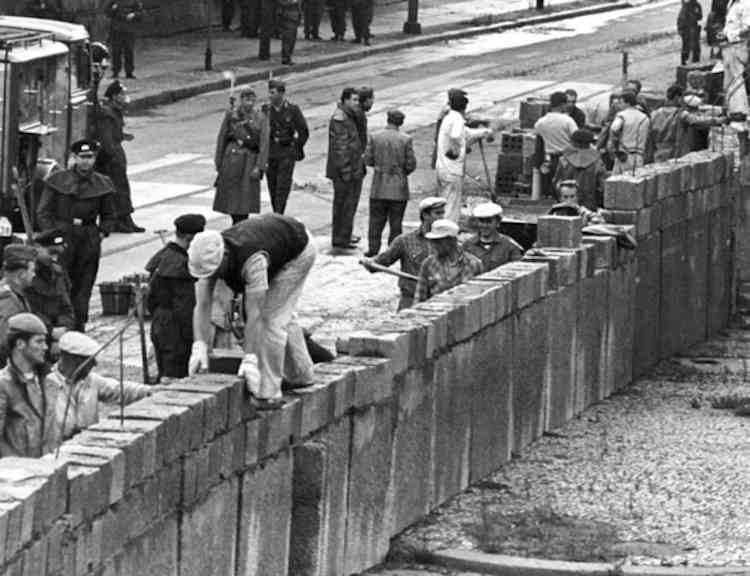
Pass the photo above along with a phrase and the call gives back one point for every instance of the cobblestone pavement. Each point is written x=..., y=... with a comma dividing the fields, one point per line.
x=656, y=461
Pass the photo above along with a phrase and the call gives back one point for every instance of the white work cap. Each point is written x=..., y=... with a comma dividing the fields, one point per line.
x=692, y=100
x=442, y=229
x=431, y=202
x=205, y=253
x=78, y=344
x=487, y=210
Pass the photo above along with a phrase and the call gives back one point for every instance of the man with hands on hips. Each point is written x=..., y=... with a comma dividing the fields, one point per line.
x=267, y=259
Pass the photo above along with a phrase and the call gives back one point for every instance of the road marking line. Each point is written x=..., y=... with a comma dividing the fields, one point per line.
x=170, y=159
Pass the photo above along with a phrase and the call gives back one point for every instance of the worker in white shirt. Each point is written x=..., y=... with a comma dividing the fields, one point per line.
x=735, y=56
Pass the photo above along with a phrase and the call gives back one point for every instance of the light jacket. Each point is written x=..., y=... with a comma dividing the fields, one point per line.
x=26, y=415
x=391, y=154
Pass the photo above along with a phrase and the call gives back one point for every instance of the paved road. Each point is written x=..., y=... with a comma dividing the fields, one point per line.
x=171, y=160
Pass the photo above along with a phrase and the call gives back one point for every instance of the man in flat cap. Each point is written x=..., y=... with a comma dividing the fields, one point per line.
x=288, y=135
x=555, y=129
x=449, y=265
x=583, y=164
x=171, y=299
x=111, y=160
x=49, y=293
x=411, y=249
x=267, y=259
x=75, y=402
x=491, y=247
x=19, y=267
x=80, y=203
x=25, y=413
x=391, y=154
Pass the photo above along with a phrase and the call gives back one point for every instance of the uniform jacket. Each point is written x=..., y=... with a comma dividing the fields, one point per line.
x=344, y=147
x=83, y=409
x=68, y=195
x=690, y=16
x=49, y=295
x=500, y=250
x=171, y=297
x=11, y=303
x=26, y=415
x=391, y=154
x=111, y=160
x=287, y=130
x=118, y=11
x=241, y=146
x=585, y=166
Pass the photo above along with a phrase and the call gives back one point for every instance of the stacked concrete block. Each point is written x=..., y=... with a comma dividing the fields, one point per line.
x=591, y=355
x=559, y=231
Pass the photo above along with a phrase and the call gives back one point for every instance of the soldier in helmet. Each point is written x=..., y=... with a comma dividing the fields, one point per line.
x=80, y=203
x=171, y=299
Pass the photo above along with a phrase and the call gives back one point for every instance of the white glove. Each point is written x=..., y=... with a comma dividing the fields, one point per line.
x=198, y=358
x=250, y=372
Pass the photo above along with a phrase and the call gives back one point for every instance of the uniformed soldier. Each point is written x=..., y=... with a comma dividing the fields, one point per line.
x=111, y=160
x=361, y=19
x=124, y=16
x=227, y=14
x=80, y=203
x=250, y=11
x=171, y=299
x=19, y=267
x=312, y=10
x=337, y=15
x=288, y=17
x=49, y=293
x=288, y=135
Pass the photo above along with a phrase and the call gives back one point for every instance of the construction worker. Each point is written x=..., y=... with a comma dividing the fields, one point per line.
x=391, y=154
x=411, y=249
x=449, y=265
x=569, y=204
x=25, y=413
x=171, y=299
x=267, y=259
x=491, y=247
x=80, y=203
x=629, y=135
x=19, y=268
x=288, y=134
x=583, y=164
x=556, y=128
x=75, y=391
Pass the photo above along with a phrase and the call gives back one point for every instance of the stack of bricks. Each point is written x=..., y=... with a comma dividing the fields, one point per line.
x=681, y=213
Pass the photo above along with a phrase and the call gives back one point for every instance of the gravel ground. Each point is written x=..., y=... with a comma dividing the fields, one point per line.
x=656, y=462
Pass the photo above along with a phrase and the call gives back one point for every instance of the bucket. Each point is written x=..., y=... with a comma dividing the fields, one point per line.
x=117, y=298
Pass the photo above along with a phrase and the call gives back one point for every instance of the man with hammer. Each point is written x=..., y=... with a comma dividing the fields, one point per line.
x=411, y=249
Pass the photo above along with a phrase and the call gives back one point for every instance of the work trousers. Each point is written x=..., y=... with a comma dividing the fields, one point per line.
x=450, y=187
x=381, y=211
x=279, y=177
x=345, y=202
x=735, y=94
x=289, y=21
x=123, y=48
x=249, y=18
x=361, y=18
x=312, y=12
x=691, y=44
x=82, y=264
x=283, y=351
x=267, y=27
x=227, y=13
x=337, y=15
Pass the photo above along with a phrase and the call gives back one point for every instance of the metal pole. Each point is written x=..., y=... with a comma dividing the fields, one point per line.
x=412, y=25
x=207, y=64
x=624, y=67
x=122, y=383
x=140, y=311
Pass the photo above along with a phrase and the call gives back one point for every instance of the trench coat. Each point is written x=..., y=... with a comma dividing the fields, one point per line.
x=391, y=154
x=111, y=160
x=242, y=146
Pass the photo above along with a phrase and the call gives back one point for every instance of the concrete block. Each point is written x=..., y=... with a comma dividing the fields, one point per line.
x=265, y=517
x=587, y=261
x=651, y=193
x=217, y=409
x=133, y=446
x=35, y=559
x=225, y=361
x=368, y=523
x=696, y=203
x=559, y=231
x=277, y=429
x=491, y=401
x=620, y=328
x=591, y=340
x=411, y=487
x=674, y=280
x=208, y=532
x=153, y=437
x=340, y=378
x=197, y=404
x=559, y=389
x=625, y=192
x=529, y=372
x=394, y=346
x=663, y=182
x=488, y=302
x=154, y=553
x=318, y=407
x=697, y=286
x=647, y=303
x=511, y=283
x=459, y=319
x=620, y=216
x=605, y=250
x=11, y=515
x=567, y=265
x=719, y=275
x=111, y=459
x=373, y=379
x=436, y=338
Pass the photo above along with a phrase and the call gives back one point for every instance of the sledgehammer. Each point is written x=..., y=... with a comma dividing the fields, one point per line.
x=380, y=268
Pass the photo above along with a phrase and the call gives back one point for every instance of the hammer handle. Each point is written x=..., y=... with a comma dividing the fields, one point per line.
x=381, y=268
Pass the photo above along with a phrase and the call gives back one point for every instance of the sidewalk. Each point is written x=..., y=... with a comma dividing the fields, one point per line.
x=171, y=68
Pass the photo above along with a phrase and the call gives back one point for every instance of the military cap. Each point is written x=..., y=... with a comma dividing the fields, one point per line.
x=85, y=147
x=114, y=89
x=247, y=92
x=582, y=137
x=190, y=223
x=277, y=85
x=395, y=117
x=52, y=237
x=28, y=323
x=487, y=210
x=78, y=344
x=17, y=256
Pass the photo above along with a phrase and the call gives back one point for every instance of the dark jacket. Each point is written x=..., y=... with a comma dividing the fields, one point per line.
x=690, y=16
x=119, y=12
x=345, y=148
x=391, y=153
x=287, y=130
x=25, y=415
x=584, y=165
x=111, y=160
x=49, y=295
x=11, y=303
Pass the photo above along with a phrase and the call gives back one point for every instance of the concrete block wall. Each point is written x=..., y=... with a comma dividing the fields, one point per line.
x=426, y=401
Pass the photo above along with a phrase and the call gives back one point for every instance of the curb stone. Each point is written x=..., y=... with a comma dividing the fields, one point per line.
x=194, y=89
x=501, y=565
